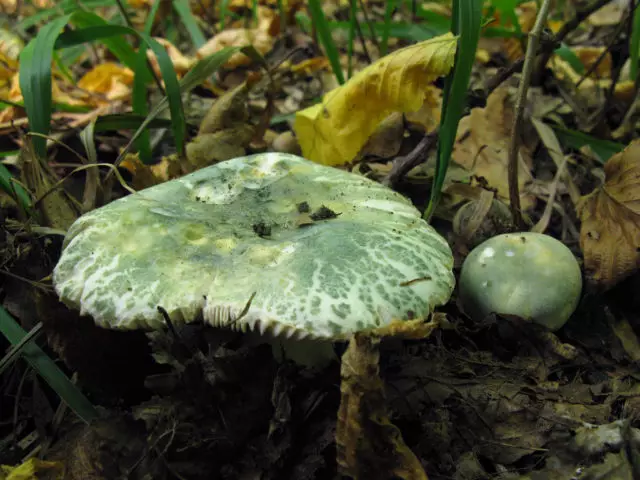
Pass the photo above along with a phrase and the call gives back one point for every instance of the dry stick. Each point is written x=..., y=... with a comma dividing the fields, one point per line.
x=527, y=69
x=566, y=29
x=402, y=165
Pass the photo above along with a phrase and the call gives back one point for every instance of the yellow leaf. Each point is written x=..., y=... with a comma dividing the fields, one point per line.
x=111, y=80
x=610, y=231
x=33, y=469
x=334, y=131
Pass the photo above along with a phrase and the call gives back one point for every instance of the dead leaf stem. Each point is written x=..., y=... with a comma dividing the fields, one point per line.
x=527, y=69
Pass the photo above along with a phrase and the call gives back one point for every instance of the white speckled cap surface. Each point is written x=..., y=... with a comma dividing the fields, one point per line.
x=325, y=252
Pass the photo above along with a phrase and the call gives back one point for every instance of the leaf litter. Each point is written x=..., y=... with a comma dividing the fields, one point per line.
x=448, y=398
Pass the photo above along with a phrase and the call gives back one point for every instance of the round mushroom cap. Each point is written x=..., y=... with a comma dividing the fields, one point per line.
x=530, y=275
x=265, y=242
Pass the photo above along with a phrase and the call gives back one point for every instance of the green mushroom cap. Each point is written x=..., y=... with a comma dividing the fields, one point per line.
x=265, y=242
x=530, y=275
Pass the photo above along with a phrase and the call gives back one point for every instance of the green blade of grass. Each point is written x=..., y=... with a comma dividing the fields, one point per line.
x=35, y=79
x=35, y=74
x=116, y=44
x=384, y=40
x=353, y=23
x=65, y=7
x=151, y=17
x=324, y=34
x=190, y=23
x=224, y=11
x=201, y=71
x=47, y=369
x=121, y=121
x=604, y=149
x=467, y=21
x=634, y=45
x=405, y=31
x=140, y=107
x=13, y=189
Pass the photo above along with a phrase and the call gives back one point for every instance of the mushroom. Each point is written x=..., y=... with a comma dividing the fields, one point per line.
x=529, y=275
x=269, y=243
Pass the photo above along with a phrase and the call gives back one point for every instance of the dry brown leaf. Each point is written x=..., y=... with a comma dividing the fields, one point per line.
x=334, y=131
x=369, y=446
x=482, y=146
x=610, y=232
x=228, y=110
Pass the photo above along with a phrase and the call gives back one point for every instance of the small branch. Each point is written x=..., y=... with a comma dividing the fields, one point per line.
x=566, y=29
x=402, y=165
x=525, y=79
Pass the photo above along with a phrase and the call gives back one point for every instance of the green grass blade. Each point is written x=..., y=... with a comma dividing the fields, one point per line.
x=384, y=41
x=91, y=28
x=167, y=71
x=405, y=31
x=151, y=17
x=604, y=149
x=570, y=57
x=121, y=121
x=194, y=77
x=35, y=80
x=173, y=93
x=353, y=23
x=467, y=21
x=224, y=11
x=65, y=7
x=634, y=46
x=47, y=369
x=189, y=21
x=324, y=34
x=15, y=190
x=140, y=107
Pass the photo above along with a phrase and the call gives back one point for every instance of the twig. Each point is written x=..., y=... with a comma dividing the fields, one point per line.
x=402, y=165
x=525, y=79
x=566, y=29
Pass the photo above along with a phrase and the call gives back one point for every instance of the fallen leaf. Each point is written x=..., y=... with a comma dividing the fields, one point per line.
x=33, y=469
x=482, y=146
x=144, y=176
x=369, y=446
x=110, y=80
x=610, y=14
x=209, y=148
x=428, y=116
x=610, y=232
x=181, y=63
x=334, y=131
x=227, y=111
x=261, y=38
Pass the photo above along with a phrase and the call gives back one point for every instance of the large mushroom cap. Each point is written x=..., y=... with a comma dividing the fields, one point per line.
x=325, y=252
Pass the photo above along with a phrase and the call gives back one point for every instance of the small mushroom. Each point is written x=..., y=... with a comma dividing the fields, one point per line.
x=529, y=275
x=226, y=245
